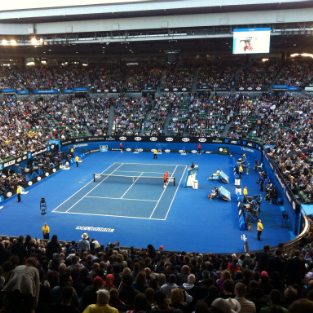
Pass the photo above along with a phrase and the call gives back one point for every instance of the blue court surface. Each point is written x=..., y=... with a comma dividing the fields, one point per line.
x=127, y=202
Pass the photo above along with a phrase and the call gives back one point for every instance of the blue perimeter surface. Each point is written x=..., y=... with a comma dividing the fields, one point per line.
x=179, y=218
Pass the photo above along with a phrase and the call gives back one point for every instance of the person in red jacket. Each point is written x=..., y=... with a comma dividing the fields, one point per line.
x=199, y=148
x=165, y=178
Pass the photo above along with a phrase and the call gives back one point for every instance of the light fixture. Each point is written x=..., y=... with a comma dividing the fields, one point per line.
x=13, y=42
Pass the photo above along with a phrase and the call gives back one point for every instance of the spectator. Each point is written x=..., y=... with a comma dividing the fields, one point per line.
x=247, y=306
x=84, y=244
x=102, y=305
x=22, y=289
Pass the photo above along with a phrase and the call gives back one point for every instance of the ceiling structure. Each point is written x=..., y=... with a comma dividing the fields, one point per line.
x=126, y=30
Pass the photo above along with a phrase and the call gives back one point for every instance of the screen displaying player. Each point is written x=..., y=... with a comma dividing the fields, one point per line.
x=251, y=40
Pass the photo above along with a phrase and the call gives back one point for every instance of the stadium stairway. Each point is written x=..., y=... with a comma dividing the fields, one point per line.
x=166, y=123
x=111, y=120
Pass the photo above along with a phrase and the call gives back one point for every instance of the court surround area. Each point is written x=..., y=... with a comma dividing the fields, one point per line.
x=137, y=210
x=127, y=190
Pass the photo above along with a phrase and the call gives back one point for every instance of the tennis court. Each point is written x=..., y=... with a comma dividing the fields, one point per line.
x=127, y=190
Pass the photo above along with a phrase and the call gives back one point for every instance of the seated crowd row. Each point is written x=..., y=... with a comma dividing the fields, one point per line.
x=38, y=276
x=205, y=74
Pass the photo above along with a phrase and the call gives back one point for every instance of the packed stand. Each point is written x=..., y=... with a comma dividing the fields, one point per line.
x=21, y=126
x=296, y=73
x=9, y=180
x=177, y=125
x=107, y=79
x=9, y=79
x=87, y=277
x=27, y=124
x=130, y=113
x=208, y=117
x=285, y=124
x=257, y=75
x=154, y=124
x=177, y=79
x=216, y=77
x=44, y=77
x=79, y=117
x=143, y=78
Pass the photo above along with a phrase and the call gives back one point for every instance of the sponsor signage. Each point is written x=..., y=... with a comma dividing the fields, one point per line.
x=80, y=140
x=96, y=229
x=308, y=88
x=217, y=141
x=40, y=151
x=81, y=145
x=9, y=163
x=160, y=139
x=247, y=149
x=185, y=139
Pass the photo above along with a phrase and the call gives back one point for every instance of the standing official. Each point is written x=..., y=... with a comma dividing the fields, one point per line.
x=77, y=160
x=19, y=190
x=45, y=231
x=155, y=153
x=240, y=170
x=260, y=229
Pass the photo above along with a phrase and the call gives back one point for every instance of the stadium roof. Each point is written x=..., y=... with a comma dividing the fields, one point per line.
x=103, y=28
x=58, y=10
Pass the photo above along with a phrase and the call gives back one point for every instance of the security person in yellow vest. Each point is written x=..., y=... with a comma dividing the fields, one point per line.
x=19, y=190
x=77, y=160
x=259, y=229
x=245, y=193
x=155, y=153
x=240, y=170
x=45, y=231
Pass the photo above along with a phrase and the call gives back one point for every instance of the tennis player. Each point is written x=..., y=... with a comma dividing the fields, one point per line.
x=165, y=178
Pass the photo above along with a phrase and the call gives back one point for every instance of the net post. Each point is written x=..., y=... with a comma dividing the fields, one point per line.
x=174, y=181
x=94, y=178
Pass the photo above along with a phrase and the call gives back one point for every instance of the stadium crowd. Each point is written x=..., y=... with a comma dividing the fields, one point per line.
x=50, y=276
x=86, y=276
x=27, y=123
x=282, y=121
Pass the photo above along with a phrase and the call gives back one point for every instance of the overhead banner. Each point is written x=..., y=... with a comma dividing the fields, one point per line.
x=238, y=142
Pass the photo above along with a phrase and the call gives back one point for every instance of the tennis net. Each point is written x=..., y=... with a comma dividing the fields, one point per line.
x=150, y=180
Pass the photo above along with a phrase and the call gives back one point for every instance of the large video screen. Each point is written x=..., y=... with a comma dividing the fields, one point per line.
x=251, y=40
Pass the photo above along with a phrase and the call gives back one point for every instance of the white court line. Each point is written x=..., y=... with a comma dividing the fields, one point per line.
x=143, y=200
x=169, y=208
x=122, y=196
x=160, y=173
x=161, y=195
x=153, y=164
x=110, y=215
x=97, y=185
x=54, y=210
